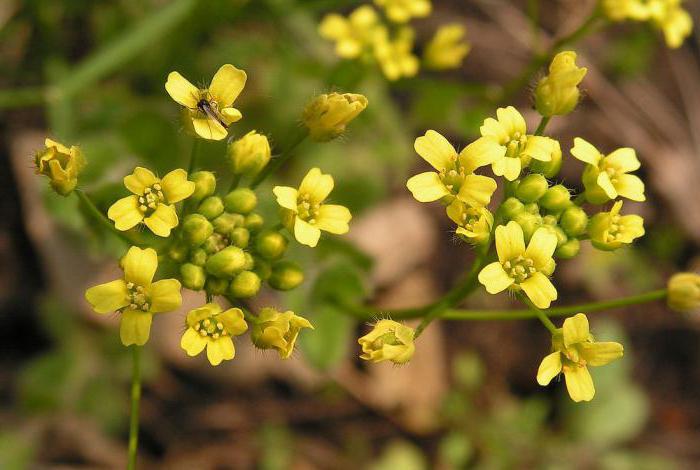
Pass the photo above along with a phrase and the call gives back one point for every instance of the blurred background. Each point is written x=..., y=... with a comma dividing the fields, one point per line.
x=469, y=398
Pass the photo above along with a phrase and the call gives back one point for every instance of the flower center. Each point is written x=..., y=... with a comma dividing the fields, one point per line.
x=387, y=338
x=152, y=196
x=138, y=300
x=516, y=145
x=307, y=209
x=616, y=228
x=613, y=172
x=469, y=218
x=520, y=268
x=453, y=175
x=210, y=328
x=571, y=357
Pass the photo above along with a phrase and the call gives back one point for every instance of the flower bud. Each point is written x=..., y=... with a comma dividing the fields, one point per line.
x=610, y=230
x=204, y=184
x=531, y=188
x=198, y=257
x=684, y=292
x=327, y=116
x=263, y=268
x=511, y=207
x=178, y=251
x=249, y=154
x=529, y=223
x=558, y=93
x=447, y=48
x=548, y=269
x=574, y=221
x=569, y=249
x=388, y=341
x=215, y=243
x=61, y=165
x=241, y=201
x=193, y=276
x=196, y=229
x=245, y=285
x=240, y=237
x=225, y=223
x=277, y=330
x=227, y=262
x=211, y=208
x=556, y=199
x=270, y=244
x=286, y=275
x=254, y=221
x=216, y=286
x=249, y=262
x=551, y=168
x=532, y=208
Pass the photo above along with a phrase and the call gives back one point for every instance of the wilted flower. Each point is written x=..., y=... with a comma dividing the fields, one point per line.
x=61, y=165
x=388, y=341
x=278, y=330
x=327, y=116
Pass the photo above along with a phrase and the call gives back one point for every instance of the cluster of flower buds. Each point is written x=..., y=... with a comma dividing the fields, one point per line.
x=669, y=16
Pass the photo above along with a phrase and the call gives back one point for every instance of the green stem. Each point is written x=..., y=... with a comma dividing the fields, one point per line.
x=235, y=182
x=21, y=97
x=100, y=217
x=580, y=199
x=538, y=312
x=543, y=124
x=194, y=155
x=275, y=164
x=135, y=402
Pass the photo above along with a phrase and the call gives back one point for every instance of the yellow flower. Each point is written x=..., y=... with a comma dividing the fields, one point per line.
x=610, y=230
x=209, y=109
x=447, y=48
x=61, y=165
x=574, y=349
x=136, y=296
x=473, y=223
x=620, y=10
x=249, y=154
x=400, y=11
x=152, y=201
x=510, y=131
x=388, y=341
x=278, y=330
x=670, y=17
x=394, y=55
x=304, y=212
x=523, y=269
x=352, y=35
x=208, y=327
x=557, y=93
x=684, y=292
x=606, y=176
x=327, y=116
x=455, y=172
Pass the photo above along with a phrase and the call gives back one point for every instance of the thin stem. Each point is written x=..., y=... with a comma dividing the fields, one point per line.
x=194, y=155
x=543, y=124
x=538, y=312
x=21, y=97
x=235, y=182
x=275, y=164
x=135, y=402
x=100, y=217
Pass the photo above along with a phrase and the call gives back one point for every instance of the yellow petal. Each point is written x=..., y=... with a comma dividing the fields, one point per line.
x=316, y=185
x=208, y=128
x=539, y=147
x=233, y=320
x=579, y=383
x=508, y=167
x=176, y=187
x=162, y=221
x=511, y=120
x=493, y=128
x=606, y=185
x=230, y=115
x=108, y=297
x=139, y=180
x=576, y=330
x=510, y=241
x=192, y=342
x=541, y=247
x=334, y=26
x=481, y=152
x=125, y=213
x=220, y=349
x=227, y=84
x=427, y=187
x=624, y=159
x=305, y=233
x=550, y=367
x=333, y=218
x=599, y=354
x=135, y=327
x=286, y=197
x=476, y=190
x=585, y=152
x=181, y=90
x=436, y=150
x=631, y=187
x=165, y=295
x=539, y=290
x=632, y=227
x=140, y=265
x=494, y=278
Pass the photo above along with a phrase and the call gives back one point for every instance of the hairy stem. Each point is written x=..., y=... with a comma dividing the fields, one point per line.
x=543, y=124
x=135, y=402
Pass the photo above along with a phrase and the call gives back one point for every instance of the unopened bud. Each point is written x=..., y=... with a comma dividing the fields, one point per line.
x=249, y=154
x=241, y=201
x=245, y=285
x=574, y=221
x=196, y=229
x=61, y=165
x=198, y=257
x=263, y=268
x=569, y=249
x=551, y=168
x=227, y=262
x=531, y=188
x=529, y=223
x=204, y=184
x=684, y=292
x=193, y=276
x=327, y=116
x=211, y=208
x=270, y=244
x=556, y=199
x=216, y=286
x=254, y=221
x=558, y=93
x=511, y=207
x=286, y=275
x=240, y=237
x=249, y=262
x=225, y=223
x=178, y=251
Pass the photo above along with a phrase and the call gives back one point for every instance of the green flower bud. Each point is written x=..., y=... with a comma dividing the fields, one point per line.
x=198, y=257
x=531, y=188
x=204, y=184
x=574, y=221
x=178, y=251
x=215, y=243
x=263, y=268
x=529, y=223
x=254, y=221
x=193, y=276
x=569, y=249
x=561, y=236
x=241, y=201
x=549, y=220
x=211, y=208
x=240, y=237
x=556, y=199
x=225, y=223
x=270, y=244
x=216, y=286
x=286, y=275
x=684, y=292
x=249, y=154
x=511, y=207
x=532, y=208
x=245, y=285
x=249, y=262
x=551, y=168
x=196, y=229
x=227, y=262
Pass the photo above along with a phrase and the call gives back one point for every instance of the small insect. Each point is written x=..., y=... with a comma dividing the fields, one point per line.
x=211, y=109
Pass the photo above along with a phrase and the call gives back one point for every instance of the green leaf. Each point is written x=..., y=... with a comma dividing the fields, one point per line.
x=330, y=340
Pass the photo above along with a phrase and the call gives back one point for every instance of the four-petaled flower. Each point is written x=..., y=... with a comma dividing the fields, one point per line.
x=61, y=165
x=210, y=109
x=352, y=35
x=152, y=201
x=388, y=341
x=473, y=223
x=574, y=349
x=278, y=330
x=304, y=213
x=523, y=269
x=208, y=327
x=610, y=230
x=136, y=296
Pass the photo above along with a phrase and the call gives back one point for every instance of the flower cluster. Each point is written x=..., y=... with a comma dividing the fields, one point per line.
x=213, y=241
x=389, y=42
x=667, y=15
